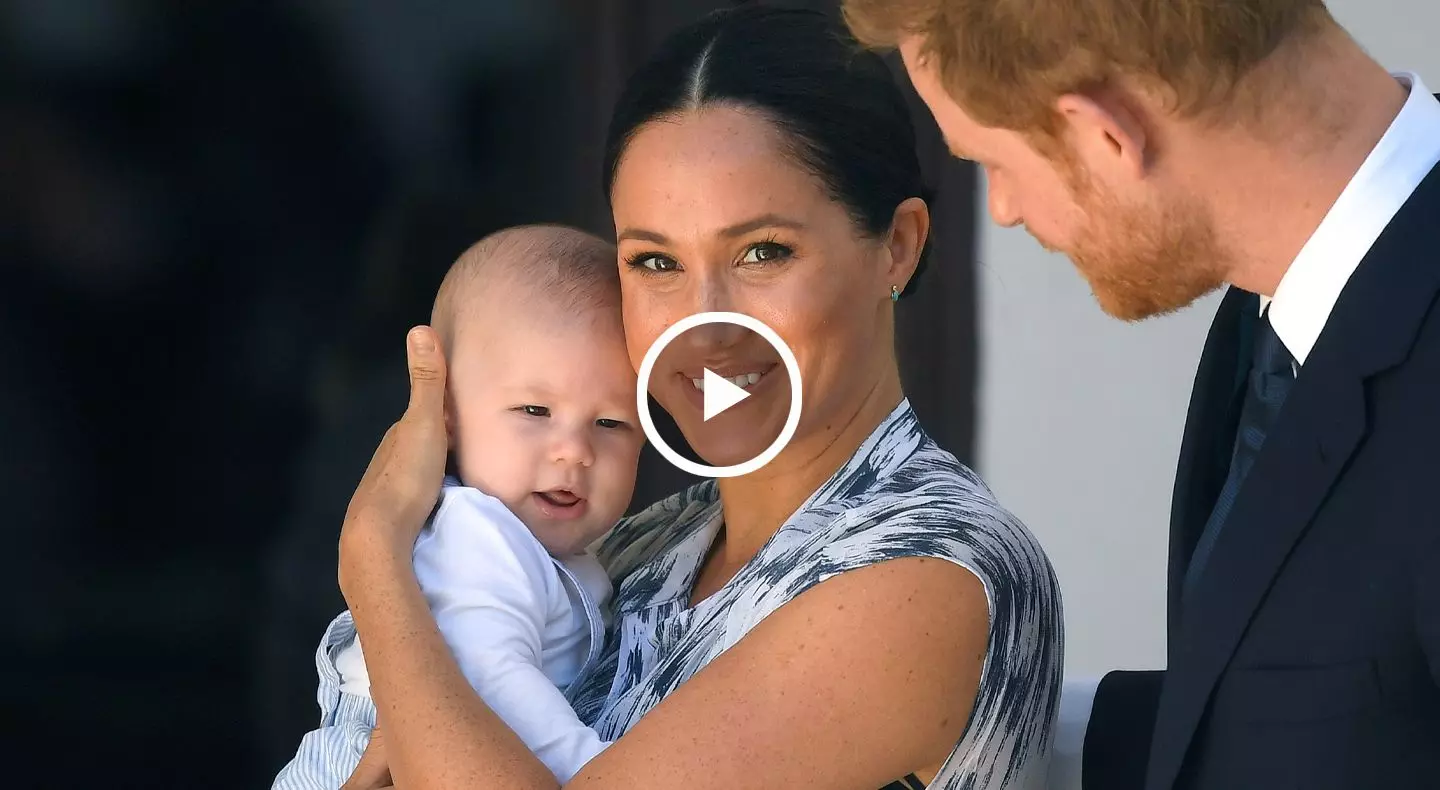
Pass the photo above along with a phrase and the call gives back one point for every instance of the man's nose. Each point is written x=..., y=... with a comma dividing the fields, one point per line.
x=1002, y=205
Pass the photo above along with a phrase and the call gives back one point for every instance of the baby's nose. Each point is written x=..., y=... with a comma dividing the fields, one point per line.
x=574, y=448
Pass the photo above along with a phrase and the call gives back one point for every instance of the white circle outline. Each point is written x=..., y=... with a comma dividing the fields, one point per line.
x=642, y=390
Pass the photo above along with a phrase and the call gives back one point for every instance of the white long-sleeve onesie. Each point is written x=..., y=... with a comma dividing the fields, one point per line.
x=521, y=624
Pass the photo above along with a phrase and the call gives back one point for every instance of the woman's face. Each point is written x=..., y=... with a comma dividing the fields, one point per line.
x=712, y=215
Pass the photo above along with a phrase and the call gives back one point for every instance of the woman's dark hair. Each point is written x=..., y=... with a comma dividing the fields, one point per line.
x=836, y=103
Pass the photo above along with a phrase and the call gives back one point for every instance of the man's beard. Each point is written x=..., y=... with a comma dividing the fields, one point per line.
x=1145, y=260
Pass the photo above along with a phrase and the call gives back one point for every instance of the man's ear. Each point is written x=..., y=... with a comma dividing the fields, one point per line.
x=909, y=228
x=1106, y=132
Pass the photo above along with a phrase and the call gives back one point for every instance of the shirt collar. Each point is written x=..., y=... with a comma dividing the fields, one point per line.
x=1312, y=284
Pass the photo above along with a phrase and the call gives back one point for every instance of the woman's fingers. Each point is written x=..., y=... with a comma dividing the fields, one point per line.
x=373, y=772
x=420, y=436
x=427, y=376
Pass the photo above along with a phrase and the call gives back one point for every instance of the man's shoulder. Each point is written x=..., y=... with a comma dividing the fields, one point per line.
x=1416, y=379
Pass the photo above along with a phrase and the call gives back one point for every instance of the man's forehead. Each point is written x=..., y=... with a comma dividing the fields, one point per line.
x=961, y=134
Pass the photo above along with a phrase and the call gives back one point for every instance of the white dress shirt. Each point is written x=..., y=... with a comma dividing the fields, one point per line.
x=1301, y=306
x=1312, y=284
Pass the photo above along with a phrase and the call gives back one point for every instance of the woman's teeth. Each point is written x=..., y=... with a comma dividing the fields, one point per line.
x=743, y=381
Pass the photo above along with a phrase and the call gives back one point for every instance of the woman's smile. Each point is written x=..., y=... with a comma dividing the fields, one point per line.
x=756, y=379
x=747, y=378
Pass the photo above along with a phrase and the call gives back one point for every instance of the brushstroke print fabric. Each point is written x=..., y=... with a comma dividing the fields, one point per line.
x=900, y=495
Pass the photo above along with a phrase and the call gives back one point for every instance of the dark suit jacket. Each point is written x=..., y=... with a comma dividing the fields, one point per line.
x=1309, y=656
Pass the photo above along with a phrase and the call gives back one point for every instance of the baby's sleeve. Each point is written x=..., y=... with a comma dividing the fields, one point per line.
x=489, y=584
x=484, y=576
x=328, y=754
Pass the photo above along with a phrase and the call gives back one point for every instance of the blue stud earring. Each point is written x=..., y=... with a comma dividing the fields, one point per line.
x=894, y=293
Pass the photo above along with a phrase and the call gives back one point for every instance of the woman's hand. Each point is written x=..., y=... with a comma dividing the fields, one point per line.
x=402, y=483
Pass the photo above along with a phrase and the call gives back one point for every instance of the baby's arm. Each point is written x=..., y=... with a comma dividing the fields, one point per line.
x=485, y=579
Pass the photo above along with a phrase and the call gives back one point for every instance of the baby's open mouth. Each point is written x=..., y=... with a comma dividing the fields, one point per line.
x=559, y=497
x=561, y=503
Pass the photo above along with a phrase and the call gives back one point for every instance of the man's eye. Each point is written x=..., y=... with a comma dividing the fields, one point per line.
x=766, y=252
x=536, y=411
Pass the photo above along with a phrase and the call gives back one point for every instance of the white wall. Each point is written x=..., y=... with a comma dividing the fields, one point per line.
x=1089, y=464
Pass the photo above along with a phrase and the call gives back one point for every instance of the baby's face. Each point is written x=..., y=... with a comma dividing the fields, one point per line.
x=544, y=419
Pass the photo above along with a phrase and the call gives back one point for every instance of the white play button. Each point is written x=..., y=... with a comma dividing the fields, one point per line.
x=720, y=394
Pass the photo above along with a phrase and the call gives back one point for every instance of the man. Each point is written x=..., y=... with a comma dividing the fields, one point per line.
x=1172, y=148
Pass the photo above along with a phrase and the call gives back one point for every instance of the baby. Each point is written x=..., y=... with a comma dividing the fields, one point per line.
x=544, y=444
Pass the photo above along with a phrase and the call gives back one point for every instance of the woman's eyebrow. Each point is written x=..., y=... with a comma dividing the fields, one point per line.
x=638, y=234
x=762, y=221
x=730, y=231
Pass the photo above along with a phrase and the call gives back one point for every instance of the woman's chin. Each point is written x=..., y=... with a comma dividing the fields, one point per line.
x=733, y=436
x=725, y=450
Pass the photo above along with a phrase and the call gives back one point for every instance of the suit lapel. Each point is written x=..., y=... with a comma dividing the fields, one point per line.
x=1209, y=434
x=1324, y=420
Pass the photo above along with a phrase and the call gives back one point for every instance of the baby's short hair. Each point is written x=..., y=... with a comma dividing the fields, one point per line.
x=561, y=268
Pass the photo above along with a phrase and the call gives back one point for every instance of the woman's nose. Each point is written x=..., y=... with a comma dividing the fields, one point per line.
x=716, y=335
x=713, y=294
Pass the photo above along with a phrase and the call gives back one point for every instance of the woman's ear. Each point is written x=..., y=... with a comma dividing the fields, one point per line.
x=909, y=229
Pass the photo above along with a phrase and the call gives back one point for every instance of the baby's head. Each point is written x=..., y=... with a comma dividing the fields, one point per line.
x=541, y=400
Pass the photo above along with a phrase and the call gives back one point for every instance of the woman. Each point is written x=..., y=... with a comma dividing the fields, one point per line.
x=859, y=613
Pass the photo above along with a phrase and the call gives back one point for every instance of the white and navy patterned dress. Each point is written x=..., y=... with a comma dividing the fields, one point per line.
x=900, y=495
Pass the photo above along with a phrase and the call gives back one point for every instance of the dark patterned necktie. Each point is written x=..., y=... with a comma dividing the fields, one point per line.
x=1272, y=373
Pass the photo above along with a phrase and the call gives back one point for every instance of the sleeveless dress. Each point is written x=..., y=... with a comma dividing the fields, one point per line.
x=900, y=495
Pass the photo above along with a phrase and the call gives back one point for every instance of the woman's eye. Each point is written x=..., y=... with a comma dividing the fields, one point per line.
x=766, y=252
x=655, y=263
x=605, y=422
x=536, y=411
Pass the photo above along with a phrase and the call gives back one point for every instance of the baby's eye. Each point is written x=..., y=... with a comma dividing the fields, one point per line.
x=605, y=422
x=766, y=252
x=536, y=411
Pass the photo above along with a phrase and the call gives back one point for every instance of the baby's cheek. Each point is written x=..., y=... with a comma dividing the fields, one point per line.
x=498, y=462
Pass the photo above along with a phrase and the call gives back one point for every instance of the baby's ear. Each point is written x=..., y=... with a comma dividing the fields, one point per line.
x=449, y=421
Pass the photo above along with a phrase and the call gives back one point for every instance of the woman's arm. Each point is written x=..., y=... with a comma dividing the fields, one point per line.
x=853, y=684
x=861, y=680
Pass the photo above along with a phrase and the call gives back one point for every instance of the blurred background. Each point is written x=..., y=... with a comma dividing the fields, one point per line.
x=217, y=220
